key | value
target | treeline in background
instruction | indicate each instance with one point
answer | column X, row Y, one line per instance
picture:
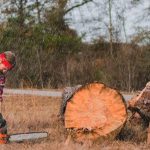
column 50, row 54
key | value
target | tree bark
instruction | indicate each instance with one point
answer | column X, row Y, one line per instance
column 141, row 105
column 94, row 112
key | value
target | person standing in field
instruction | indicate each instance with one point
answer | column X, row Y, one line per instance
column 7, row 63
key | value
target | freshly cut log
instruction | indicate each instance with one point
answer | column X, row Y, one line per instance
column 141, row 105
column 95, row 112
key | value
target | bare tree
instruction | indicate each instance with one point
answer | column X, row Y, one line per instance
column 110, row 27
column 38, row 11
column 78, row 5
column 20, row 4
column 142, row 34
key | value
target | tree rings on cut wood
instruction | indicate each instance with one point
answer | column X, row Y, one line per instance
column 95, row 112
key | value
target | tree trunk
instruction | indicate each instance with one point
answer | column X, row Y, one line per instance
column 110, row 28
column 95, row 112
column 38, row 11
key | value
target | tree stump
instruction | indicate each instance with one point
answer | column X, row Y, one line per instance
column 94, row 112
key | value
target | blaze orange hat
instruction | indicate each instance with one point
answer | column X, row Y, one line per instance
column 8, row 59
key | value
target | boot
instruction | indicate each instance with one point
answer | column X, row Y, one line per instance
column 3, row 130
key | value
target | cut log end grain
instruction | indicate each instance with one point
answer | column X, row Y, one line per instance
column 95, row 111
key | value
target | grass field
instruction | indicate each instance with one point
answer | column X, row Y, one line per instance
column 31, row 113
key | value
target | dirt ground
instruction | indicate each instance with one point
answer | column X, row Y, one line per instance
column 30, row 113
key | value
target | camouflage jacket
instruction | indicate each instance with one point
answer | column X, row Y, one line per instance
column 2, row 83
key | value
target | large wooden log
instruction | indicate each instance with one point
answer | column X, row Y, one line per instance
column 95, row 112
column 141, row 104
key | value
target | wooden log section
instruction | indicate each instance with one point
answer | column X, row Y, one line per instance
column 94, row 112
column 141, row 105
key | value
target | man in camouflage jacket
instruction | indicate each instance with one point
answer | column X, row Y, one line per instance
column 7, row 62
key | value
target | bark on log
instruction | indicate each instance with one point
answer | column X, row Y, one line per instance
column 141, row 105
column 95, row 112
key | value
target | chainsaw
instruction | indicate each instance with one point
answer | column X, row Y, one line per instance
column 19, row 137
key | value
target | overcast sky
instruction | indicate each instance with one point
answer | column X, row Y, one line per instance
column 91, row 19
column 92, row 14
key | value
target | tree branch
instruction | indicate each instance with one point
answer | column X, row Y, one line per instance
column 78, row 5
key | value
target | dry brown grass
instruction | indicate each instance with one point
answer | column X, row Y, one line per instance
column 31, row 113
